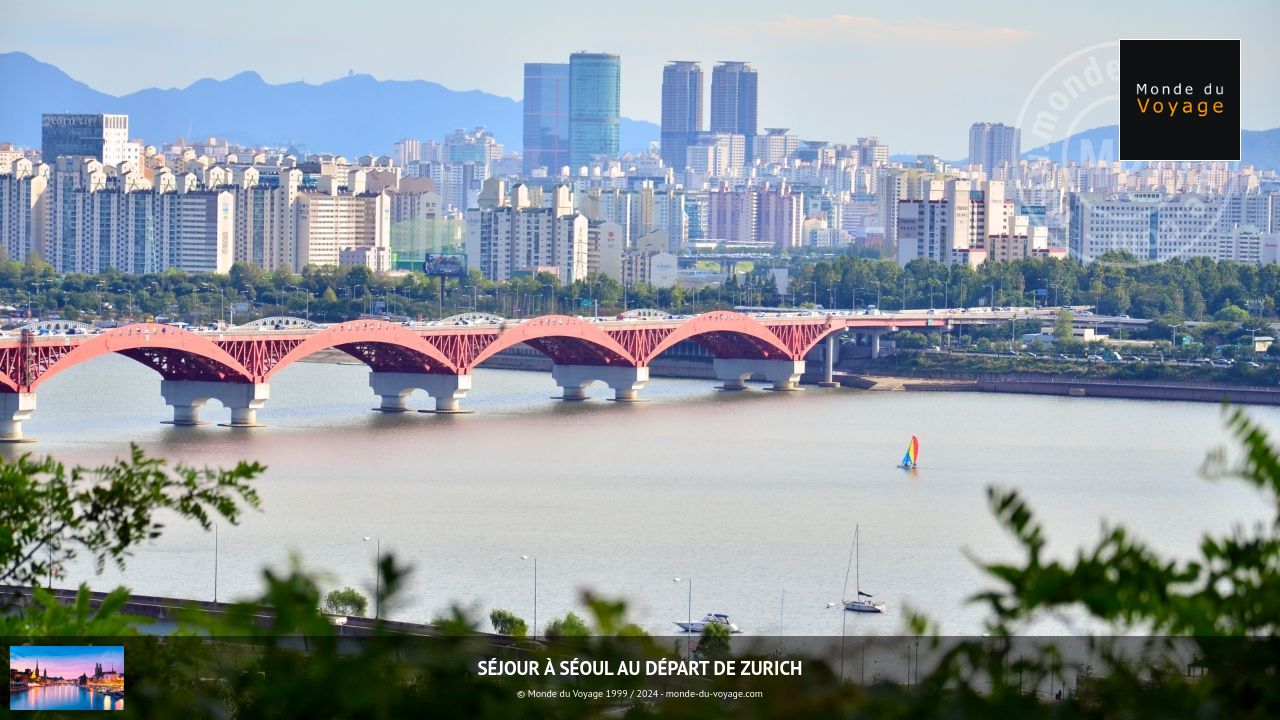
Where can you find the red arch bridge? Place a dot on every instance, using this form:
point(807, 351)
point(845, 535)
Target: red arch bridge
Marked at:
point(235, 365)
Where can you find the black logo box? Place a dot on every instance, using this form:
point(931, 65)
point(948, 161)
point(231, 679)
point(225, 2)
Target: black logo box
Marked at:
point(1185, 65)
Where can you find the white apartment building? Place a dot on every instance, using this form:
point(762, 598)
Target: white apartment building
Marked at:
point(328, 222)
point(1155, 226)
point(22, 208)
point(507, 234)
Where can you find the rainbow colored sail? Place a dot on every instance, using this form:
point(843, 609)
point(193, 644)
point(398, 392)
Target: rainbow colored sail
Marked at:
point(913, 452)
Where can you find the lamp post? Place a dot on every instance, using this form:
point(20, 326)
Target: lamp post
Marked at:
point(535, 592)
point(815, 293)
point(215, 562)
point(377, 587)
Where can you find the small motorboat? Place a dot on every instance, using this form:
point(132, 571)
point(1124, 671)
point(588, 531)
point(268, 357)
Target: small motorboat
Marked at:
point(708, 619)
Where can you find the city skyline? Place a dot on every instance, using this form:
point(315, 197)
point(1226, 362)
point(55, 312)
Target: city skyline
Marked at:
point(66, 661)
point(815, 61)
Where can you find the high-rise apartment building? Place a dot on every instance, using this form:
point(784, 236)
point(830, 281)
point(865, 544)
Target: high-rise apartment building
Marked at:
point(546, 117)
point(595, 82)
point(957, 221)
point(102, 137)
point(1159, 226)
point(22, 210)
point(734, 102)
point(329, 222)
point(681, 110)
point(994, 145)
point(508, 233)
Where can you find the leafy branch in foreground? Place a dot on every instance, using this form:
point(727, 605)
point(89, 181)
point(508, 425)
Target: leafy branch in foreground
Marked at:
point(1232, 589)
point(49, 515)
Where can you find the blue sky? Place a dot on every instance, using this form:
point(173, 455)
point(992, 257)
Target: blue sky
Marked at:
point(914, 73)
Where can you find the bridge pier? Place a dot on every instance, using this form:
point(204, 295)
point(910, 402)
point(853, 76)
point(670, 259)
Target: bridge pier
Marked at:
point(188, 396)
point(829, 362)
point(394, 388)
point(14, 409)
point(626, 381)
point(734, 372)
point(875, 345)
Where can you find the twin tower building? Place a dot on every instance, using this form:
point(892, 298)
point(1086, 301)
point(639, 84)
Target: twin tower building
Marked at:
point(572, 113)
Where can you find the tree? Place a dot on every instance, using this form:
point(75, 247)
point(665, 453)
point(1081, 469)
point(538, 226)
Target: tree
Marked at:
point(506, 622)
point(1232, 314)
point(347, 601)
point(1063, 325)
point(50, 515)
point(570, 626)
point(714, 641)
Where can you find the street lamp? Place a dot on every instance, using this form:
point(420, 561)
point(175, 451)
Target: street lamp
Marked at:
point(815, 293)
point(535, 592)
point(215, 562)
point(377, 588)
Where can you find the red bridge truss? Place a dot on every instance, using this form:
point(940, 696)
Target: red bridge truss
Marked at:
point(254, 355)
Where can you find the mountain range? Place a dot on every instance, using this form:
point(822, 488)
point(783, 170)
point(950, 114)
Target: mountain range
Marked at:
point(353, 115)
point(1259, 148)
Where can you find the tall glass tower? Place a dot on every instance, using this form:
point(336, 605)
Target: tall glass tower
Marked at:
point(681, 110)
point(595, 81)
point(734, 101)
point(546, 116)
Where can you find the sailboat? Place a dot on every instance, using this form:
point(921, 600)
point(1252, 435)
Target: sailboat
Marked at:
point(858, 603)
point(913, 452)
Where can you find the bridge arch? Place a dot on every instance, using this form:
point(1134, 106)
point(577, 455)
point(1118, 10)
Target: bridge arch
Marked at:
point(175, 353)
point(728, 335)
point(566, 340)
point(382, 345)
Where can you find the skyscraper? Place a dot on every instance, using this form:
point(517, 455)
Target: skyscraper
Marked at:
point(681, 110)
point(991, 145)
point(734, 103)
point(546, 116)
point(595, 81)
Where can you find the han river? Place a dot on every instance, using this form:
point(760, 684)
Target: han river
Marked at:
point(753, 495)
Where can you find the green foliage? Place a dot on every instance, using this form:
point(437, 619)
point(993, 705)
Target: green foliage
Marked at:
point(714, 641)
point(1232, 314)
point(50, 515)
point(1063, 326)
point(347, 601)
point(958, 365)
point(570, 626)
point(506, 622)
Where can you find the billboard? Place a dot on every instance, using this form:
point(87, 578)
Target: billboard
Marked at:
point(445, 265)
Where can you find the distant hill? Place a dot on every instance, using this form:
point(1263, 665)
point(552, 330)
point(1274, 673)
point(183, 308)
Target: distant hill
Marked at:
point(1259, 148)
point(353, 115)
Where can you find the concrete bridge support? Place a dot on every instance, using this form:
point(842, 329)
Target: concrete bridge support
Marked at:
point(784, 374)
point(625, 381)
point(187, 397)
point(14, 409)
point(829, 362)
point(395, 387)
point(875, 345)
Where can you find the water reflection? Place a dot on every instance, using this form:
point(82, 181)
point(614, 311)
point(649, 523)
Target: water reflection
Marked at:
point(63, 697)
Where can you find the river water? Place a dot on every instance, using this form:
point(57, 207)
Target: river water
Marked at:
point(754, 496)
point(63, 697)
